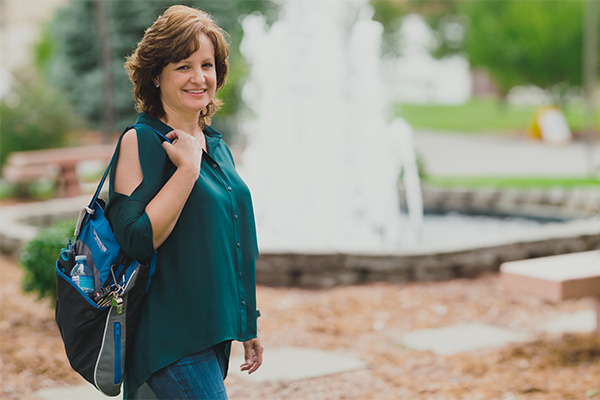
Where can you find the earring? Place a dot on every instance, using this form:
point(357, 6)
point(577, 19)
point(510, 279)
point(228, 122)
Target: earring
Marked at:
point(156, 84)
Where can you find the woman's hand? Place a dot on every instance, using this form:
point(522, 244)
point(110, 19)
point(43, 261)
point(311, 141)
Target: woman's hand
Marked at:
point(185, 150)
point(253, 354)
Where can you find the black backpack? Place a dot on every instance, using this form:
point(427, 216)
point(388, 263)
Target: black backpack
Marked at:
point(96, 330)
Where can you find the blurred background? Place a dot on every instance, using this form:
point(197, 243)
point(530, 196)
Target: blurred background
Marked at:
point(455, 66)
point(472, 107)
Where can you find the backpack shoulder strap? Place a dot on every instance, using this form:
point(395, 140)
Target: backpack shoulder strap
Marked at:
point(148, 126)
point(99, 188)
point(89, 209)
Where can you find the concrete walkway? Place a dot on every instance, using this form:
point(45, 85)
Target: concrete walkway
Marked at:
point(296, 363)
point(473, 336)
point(282, 364)
point(461, 338)
point(447, 154)
point(84, 391)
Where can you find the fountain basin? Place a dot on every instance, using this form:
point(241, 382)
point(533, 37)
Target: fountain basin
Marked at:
point(572, 225)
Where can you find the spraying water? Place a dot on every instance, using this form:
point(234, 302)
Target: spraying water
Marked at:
point(322, 163)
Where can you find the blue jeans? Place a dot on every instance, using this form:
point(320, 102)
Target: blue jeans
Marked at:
point(198, 376)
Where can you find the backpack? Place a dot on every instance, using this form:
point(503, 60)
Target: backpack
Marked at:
point(96, 330)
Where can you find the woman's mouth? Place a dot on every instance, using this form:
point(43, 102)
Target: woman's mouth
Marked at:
point(194, 91)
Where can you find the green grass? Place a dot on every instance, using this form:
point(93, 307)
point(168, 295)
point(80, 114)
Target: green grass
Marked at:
point(514, 182)
point(481, 116)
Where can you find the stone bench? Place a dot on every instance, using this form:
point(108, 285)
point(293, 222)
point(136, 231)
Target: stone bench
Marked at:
point(29, 166)
point(556, 278)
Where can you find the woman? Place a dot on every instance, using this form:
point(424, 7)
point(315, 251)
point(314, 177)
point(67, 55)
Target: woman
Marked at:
point(185, 201)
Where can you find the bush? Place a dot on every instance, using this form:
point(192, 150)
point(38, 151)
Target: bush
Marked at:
point(34, 116)
point(39, 256)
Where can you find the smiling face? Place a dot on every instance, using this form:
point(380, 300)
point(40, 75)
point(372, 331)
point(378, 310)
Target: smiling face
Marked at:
point(189, 85)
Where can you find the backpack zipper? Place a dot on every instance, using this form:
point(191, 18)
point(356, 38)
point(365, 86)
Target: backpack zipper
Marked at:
point(118, 372)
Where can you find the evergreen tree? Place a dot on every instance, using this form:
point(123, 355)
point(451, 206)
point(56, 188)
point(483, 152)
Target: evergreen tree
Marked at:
point(75, 61)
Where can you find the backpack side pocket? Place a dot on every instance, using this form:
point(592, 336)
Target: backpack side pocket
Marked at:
point(80, 322)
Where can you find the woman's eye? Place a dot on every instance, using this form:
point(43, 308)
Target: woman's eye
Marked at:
point(207, 65)
point(183, 67)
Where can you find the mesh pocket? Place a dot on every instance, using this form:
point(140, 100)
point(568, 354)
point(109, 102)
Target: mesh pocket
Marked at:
point(81, 325)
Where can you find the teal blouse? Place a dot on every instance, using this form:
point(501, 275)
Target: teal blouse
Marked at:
point(204, 292)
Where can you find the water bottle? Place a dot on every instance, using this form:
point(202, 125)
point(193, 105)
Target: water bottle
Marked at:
point(82, 275)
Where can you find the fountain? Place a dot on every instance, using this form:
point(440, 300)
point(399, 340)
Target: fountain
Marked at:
point(323, 165)
point(321, 161)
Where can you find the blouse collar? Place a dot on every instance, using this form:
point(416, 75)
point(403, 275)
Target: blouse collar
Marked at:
point(163, 128)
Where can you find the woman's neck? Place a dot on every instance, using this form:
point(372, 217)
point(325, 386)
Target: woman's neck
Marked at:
point(187, 124)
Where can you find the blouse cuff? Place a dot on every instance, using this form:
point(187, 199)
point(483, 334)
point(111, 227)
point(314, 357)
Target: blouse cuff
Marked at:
point(132, 228)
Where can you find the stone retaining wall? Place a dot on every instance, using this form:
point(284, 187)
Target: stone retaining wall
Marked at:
point(554, 202)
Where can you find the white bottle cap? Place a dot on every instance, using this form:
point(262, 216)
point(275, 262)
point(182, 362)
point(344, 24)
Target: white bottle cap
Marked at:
point(78, 258)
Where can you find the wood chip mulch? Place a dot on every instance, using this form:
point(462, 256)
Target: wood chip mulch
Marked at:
point(367, 321)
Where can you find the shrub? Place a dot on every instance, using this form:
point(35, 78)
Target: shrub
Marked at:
point(39, 256)
point(34, 116)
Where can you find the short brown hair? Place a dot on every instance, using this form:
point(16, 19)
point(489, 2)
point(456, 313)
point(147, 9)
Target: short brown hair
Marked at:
point(172, 38)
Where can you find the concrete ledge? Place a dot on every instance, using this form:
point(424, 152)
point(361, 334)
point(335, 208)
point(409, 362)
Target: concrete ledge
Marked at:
point(555, 278)
point(20, 223)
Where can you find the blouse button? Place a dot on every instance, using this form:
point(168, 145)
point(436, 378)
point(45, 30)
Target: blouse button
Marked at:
point(235, 216)
point(243, 303)
point(229, 188)
point(239, 245)
point(215, 165)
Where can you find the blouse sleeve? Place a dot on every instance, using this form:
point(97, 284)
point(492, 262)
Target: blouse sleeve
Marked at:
point(127, 214)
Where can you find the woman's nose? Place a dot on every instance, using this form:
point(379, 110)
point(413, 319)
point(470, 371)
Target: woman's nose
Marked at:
point(198, 76)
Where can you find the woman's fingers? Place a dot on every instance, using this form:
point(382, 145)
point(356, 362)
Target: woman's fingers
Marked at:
point(253, 355)
point(184, 149)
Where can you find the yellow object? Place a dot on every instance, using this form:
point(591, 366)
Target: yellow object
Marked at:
point(550, 125)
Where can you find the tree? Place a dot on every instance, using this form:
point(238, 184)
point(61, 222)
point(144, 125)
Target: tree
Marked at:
point(519, 42)
point(82, 33)
point(526, 42)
